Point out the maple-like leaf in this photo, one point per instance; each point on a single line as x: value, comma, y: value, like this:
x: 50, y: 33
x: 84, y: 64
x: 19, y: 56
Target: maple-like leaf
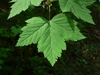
x: 32, y: 32
x: 49, y: 35
x: 78, y: 8
x: 68, y: 32
x: 22, y: 5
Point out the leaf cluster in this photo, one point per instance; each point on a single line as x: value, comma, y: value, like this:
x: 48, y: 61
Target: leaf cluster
x: 50, y: 34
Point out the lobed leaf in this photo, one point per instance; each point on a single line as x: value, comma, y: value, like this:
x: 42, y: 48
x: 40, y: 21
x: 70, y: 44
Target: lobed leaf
x: 32, y: 32
x: 50, y: 35
x: 68, y: 32
x: 78, y: 8
x: 22, y: 5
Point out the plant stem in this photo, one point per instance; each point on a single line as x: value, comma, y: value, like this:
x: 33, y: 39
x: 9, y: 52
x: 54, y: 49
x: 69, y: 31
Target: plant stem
x: 49, y: 11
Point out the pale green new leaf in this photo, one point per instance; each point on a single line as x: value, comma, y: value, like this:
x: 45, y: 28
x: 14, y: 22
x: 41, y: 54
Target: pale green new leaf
x: 32, y: 31
x: 52, y: 43
x: 36, y: 2
x: 68, y: 32
x: 50, y: 35
x: 78, y: 8
x: 86, y: 2
x: 22, y: 5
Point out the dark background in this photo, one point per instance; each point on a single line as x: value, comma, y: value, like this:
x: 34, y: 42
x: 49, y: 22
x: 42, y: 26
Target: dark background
x: 80, y: 58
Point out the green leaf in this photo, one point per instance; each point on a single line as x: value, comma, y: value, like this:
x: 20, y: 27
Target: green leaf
x: 33, y: 31
x: 36, y: 2
x: 22, y: 5
x: 50, y: 35
x: 68, y: 32
x: 52, y: 43
x: 78, y: 8
x: 15, y: 30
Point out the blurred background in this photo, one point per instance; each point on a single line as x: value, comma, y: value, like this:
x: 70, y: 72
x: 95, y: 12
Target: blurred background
x: 80, y: 58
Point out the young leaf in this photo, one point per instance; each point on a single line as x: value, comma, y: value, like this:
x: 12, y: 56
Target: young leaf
x: 32, y: 32
x: 52, y: 42
x: 68, y: 32
x: 36, y: 2
x: 22, y: 5
x: 78, y: 8
x: 50, y: 35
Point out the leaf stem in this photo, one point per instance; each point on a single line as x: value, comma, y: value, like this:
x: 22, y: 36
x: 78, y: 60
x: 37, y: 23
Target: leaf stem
x: 49, y: 11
